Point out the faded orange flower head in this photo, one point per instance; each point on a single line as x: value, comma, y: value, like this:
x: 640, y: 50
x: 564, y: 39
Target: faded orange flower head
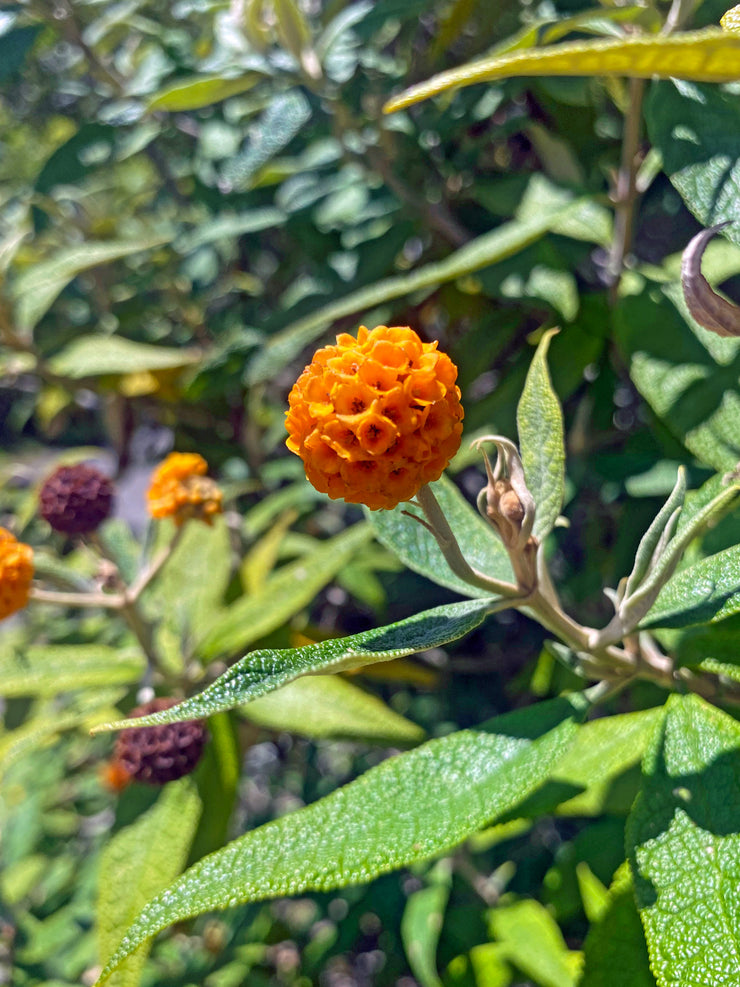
x: 16, y: 573
x: 181, y: 490
x: 377, y: 417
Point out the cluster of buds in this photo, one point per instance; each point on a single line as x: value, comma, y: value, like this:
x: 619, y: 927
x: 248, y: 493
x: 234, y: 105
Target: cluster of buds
x: 156, y: 754
x: 16, y: 573
x: 181, y: 490
x: 377, y: 417
x: 76, y: 499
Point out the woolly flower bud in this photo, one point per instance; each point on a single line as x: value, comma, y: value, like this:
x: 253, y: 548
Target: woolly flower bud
x: 377, y: 417
x: 181, y: 490
x: 76, y: 499
x: 158, y: 754
x: 16, y: 573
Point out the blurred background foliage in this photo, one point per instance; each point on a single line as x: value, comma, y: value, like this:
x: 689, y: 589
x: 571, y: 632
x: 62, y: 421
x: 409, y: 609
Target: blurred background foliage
x: 192, y: 195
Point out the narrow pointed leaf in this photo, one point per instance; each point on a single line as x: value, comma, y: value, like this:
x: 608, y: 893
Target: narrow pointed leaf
x: 437, y: 795
x: 531, y: 939
x: 416, y: 547
x: 649, y: 541
x: 683, y: 846
x: 94, y: 356
x: 205, y: 90
x: 262, y: 671
x: 324, y: 706
x: 490, y: 248
x: 702, y: 593
x: 422, y: 921
x: 47, y: 670
x: 539, y: 419
x: 137, y: 863
x: 706, y: 56
x: 282, y: 596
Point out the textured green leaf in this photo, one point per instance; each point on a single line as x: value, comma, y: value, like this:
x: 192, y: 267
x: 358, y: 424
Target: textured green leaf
x: 94, y: 356
x: 229, y: 226
x: 490, y: 248
x: 712, y: 643
x: 684, y: 847
x: 708, y: 56
x: 539, y: 419
x: 262, y: 671
x: 204, y: 90
x: 652, y: 537
x: 596, y: 773
x: 702, y: 593
x: 326, y: 706
x: 436, y: 796
x: 615, y: 953
x: 47, y: 670
x: 37, y: 287
x: 290, y: 589
x: 137, y: 863
x: 421, y: 924
x: 696, y: 128
x: 417, y: 549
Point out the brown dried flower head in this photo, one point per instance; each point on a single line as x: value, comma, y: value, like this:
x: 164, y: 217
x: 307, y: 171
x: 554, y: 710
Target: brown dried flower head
x: 76, y: 499
x: 158, y: 754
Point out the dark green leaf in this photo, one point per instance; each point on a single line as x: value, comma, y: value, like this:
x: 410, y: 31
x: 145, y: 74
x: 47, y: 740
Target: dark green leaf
x: 702, y: 593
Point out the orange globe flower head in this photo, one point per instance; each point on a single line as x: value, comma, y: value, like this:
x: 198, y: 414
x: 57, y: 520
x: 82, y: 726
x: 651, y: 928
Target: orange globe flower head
x: 377, y: 417
x: 181, y: 490
x: 16, y: 573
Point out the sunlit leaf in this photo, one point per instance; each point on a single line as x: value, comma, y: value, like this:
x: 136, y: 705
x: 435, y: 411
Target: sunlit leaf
x: 192, y: 94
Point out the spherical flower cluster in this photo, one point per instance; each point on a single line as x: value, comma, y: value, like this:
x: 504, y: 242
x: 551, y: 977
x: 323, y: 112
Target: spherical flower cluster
x: 76, y: 499
x: 157, y: 754
x: 16, y: 573
x: 181, y: 490
x: 377, y: 417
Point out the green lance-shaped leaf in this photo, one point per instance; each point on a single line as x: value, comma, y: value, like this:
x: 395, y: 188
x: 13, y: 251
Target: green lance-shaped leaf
x: 324, y: 706
x: 655, y: 536
x: 47, y: 670
x: 531, y: 939
x: 434, y: 797
x: 490, y: 248
x: 417, y: 548
x: 539, y: 420
x: 702, y: 593
x: 285, y: 593
x: 137, y: 863
x: 262, y: 671
x: 615, y: 953
x: 95, y: 356
x: 37, y: 287
x: 706, y: 56
x: 683, y: 845
x: 421, y: 924
x: 201, y: 90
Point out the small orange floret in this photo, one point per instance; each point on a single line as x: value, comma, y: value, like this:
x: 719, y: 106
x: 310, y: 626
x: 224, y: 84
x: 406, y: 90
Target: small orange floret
x: 181, y: 490
x: 377, y: 417
x: 16, y: 573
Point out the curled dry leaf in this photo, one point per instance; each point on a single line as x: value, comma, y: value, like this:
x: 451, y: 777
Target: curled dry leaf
x: 706, y: 306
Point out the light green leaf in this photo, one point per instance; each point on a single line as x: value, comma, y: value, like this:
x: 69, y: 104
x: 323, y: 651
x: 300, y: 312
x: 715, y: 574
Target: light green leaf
x: 417, y: 549
x: 490, y: 248
x: 290, y: 589
x: 421, y: 924
x: 598, y: 772
x: 35, y: 290
x: 262, y: 671
x: 532, y: 941
x: 95, y: 356
x: 47, y: 670
x: 697, y: 130
x: 539, y: 419
x: 137, y: 863
x: 229, y: 226
x: 656, y: 532
x: 707, y: 56
x: 48, y: 722
x: 203, y: 90
x: 594, y: 895
x: 614, y: 952
x: 702, y: 593
x: 436, y: 796
x: 683, y: 846
x: 328, y: 706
